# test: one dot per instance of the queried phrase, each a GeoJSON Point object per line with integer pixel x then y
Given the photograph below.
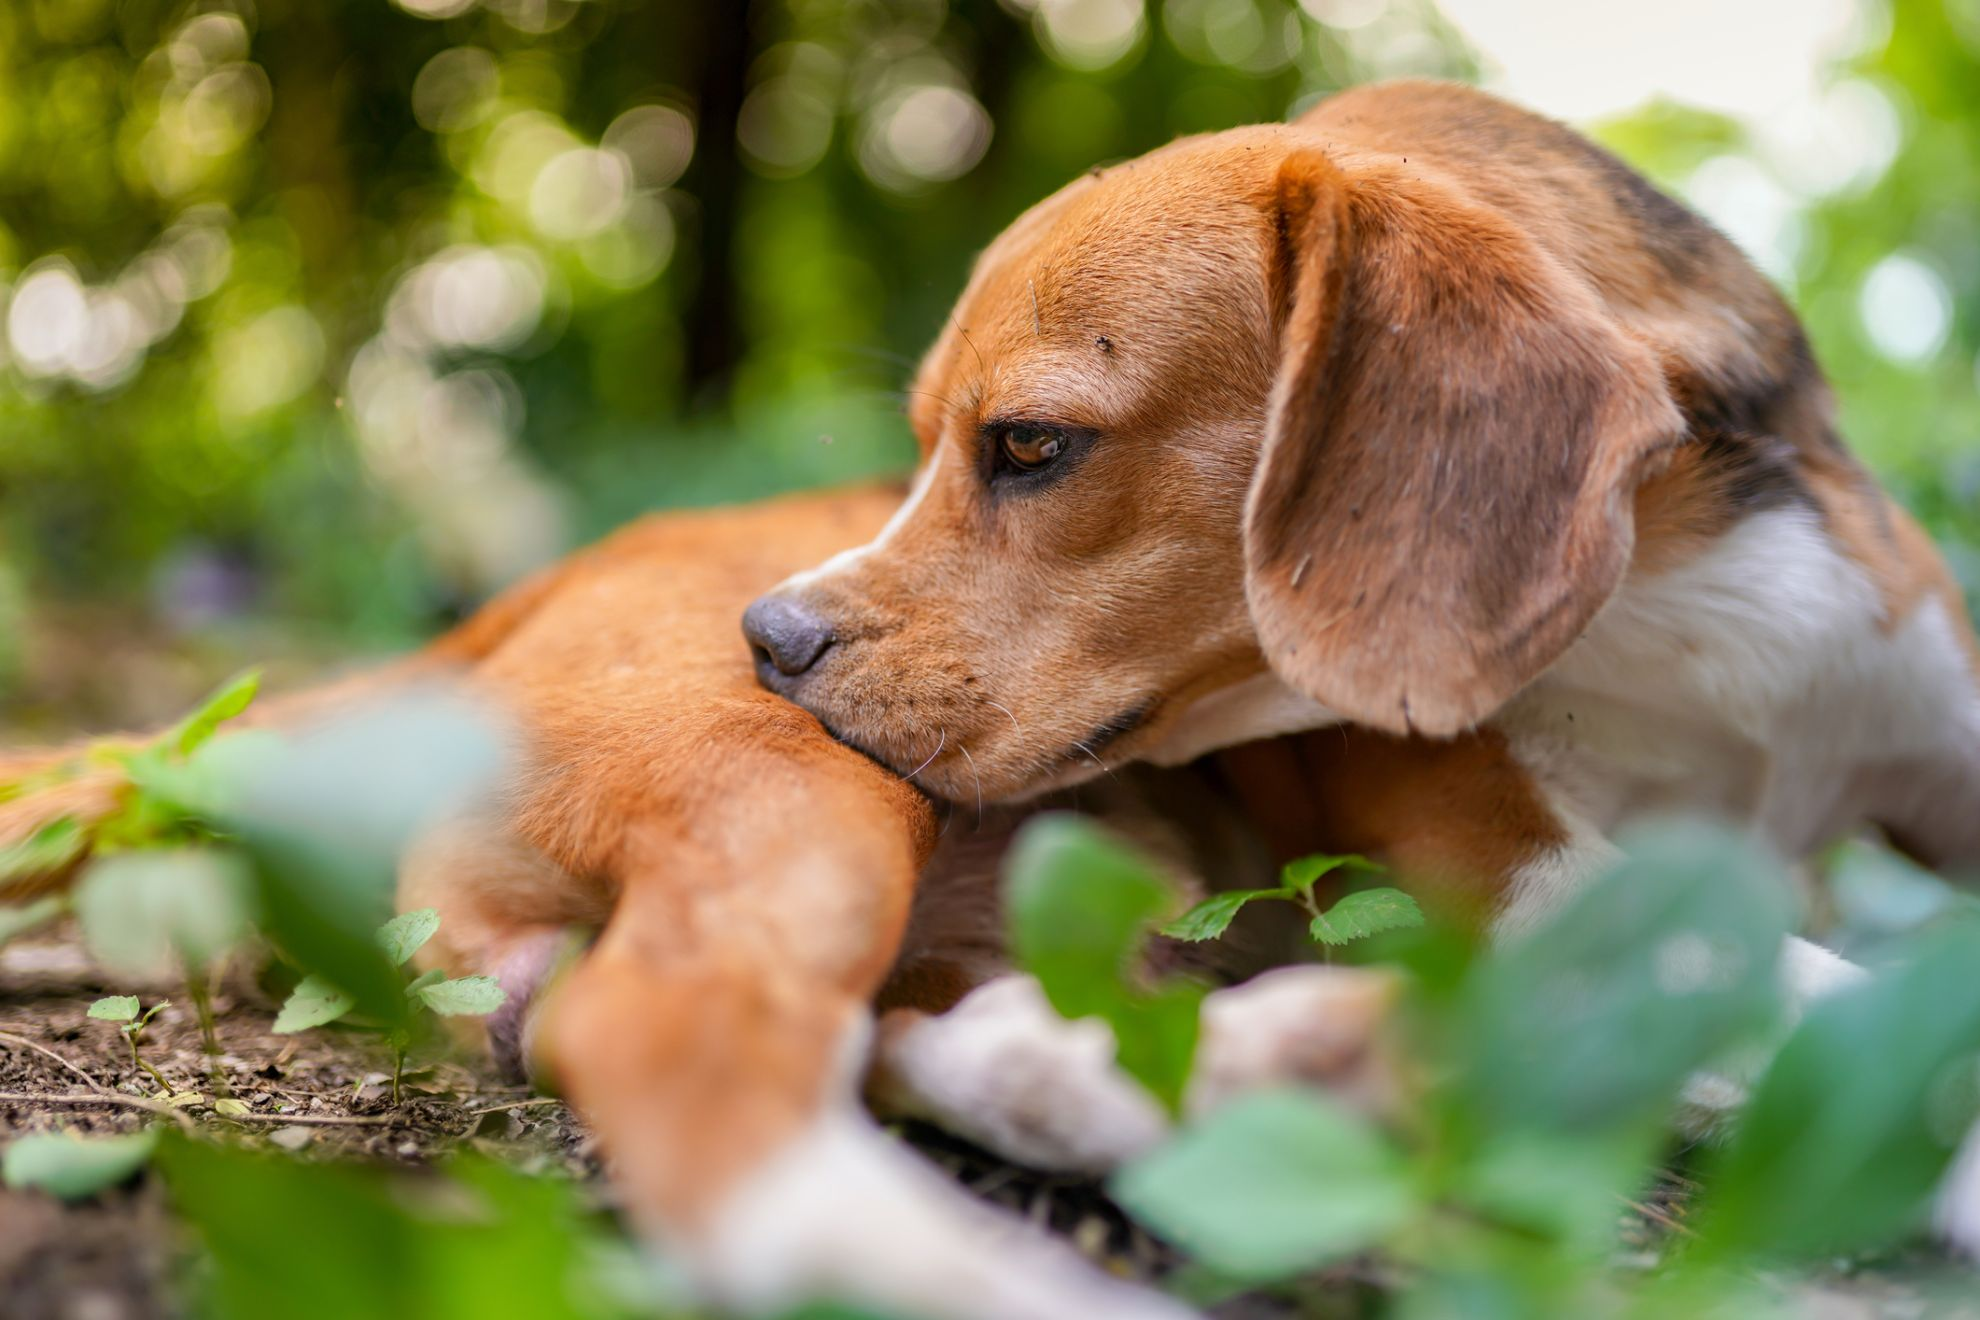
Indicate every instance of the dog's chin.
{"type": "Point", "coordinates": [953, 771]}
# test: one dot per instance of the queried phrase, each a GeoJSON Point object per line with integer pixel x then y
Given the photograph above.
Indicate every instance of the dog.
{"type": "Point", "coordinates": [1425, 419]}
{"type": "Point", "coordinates": [1236, 442]}
{"type": "Point", "coordinates": [782, 937]}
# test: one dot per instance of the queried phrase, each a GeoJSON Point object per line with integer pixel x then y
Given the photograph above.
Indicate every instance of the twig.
{"type": "Point", "coordinates": [101, 1097]}
{"type": "Point", "coordinates": [314, 1120]}
{"type": "Point", "coordinates": [94, 1085]}
{"type": "Point", "coordinates": [515, 1104]}
{"type": "Point", "coordinates": [1651, 1212]}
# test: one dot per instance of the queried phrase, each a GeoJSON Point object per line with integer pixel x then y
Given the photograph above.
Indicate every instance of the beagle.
{"type": "Point", "coordinates": [755, 885]}
{"type": "Point", "coordinates": [1424, 418]}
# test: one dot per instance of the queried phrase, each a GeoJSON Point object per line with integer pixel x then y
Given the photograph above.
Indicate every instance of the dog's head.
{"type": "Point", "coordinates": [1235, 418]}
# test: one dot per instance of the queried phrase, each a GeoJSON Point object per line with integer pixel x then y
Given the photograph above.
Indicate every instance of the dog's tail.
{"type": "Point", "coordinates": [52, 799]}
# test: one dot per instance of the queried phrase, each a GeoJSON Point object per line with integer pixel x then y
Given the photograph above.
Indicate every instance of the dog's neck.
{"type": "Point", "coordinates": [1261, 706]}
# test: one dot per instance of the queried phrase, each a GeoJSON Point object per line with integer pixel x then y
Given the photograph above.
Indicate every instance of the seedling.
{"type": "Point", "coordinates": [1356, 916]}
{"type": "Point", "coordinates": [316, 1002]}
{"type": "Point", "coordinates": [123, 1010]}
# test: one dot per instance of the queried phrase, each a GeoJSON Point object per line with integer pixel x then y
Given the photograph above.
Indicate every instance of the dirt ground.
{"type": "Point", "coordinates": [320, 1094]}
{"type": "Point", "coordinates": [325, 1094]}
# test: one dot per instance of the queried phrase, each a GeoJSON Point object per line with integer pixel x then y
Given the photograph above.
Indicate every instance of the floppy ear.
{"type": "Point", "coordinates": [1456, 433]}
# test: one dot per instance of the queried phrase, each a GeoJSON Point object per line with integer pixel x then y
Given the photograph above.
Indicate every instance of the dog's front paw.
{"type": "Point", "coordinates": [846, 1212]}
{"type": "Point", "coordinates": [1326, 1027]}
{"type": "Point", "coordinates": [1003, 1069]}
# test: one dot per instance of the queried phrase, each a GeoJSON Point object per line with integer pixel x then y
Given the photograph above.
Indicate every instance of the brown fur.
{"type": "Point", "coordinates": [752, 876]}
{"type": "Point", "coordinates": [1388, 401]}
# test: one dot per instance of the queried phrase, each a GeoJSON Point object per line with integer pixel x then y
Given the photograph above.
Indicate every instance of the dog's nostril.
{"type": "Point", "coordinates": [786, 633]}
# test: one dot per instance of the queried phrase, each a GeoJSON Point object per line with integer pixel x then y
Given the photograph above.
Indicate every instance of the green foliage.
{"type": "Point", "coordinates": [232, 698]}
{"type": "Point", "coordinates": [316, 1002]}
{"type": "Point", "coordinates": [1366, 912]}
{"type": "Point", "coordinates": [472, 996]}
{"type": "Point", "coordinates": [1080, 905]}
{"type": "Point", "coordinates": [1353, 917]}
{"type": "Point", "coordinates": [51, 848]}
{"type": "Point", "coordinates": [1854, 1124]}
{"type": "Point", "coordinates": [115, 1008]}
{"type": "Point", "coordinates": [1213, 916]}
{"type": "Point", "coordinates": [1559, 1057]}
{"type": "Point", "coordinates": [29, 917]}
{"type": "Point", "coordinates": [317, 1242]}
{"type": "Point", "coordinates": [152, 913]}
{"type": "Point", "coordinates": [405, 934]}
{"type": "Point", "coordinates": [1273, 1184]}
{"type": "Point", "coordinates": [1653, 971]}
{"type": "Point", "coordinates": [124, 1010]}
{"type": "Point", "coordinates": [71, 1166]}
{"type": "Point", "coordinates": [313, 1003]}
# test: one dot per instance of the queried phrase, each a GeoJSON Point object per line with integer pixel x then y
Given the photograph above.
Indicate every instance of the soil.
{"type": "Point", "coordinates": [325, 1094]}
{"type": "Point", "coordinates": [320, 1094]}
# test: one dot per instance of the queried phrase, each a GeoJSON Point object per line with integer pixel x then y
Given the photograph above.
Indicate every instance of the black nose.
{"type": "Point", "coordinates": [785, 633]}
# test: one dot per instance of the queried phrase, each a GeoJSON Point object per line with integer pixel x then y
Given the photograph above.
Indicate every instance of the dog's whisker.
{"type": "Point", "coordinates": [931, 756]}
{"type": "Point", "coordinates": [1007, 715]}
{"type": "Point", "coordinates": [979, 783]}
{"type": "Point", "coordinates": [1104, 768]}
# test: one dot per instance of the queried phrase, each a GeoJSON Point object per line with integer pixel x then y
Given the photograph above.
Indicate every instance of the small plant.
{"type": "Point", "coordinates": [317, 1002]}
{"type": "Point", "coordinates": [1356, 916]}
{"type": "Point", "coordinates": [124, 1010]}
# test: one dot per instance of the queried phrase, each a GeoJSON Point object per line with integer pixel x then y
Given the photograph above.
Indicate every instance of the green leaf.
{"type": "Point", "coordinates": [1213, 916]}
{"type": "Point", "coordinates": [148, 915]}
{"type": "Point", "coordinates": [229, 700]}
{"type": "Point", "coordinates": [1366, 912]}
{"type": "Point", "coordinates": [328, 815]}
{"type": "Point", "coordinates": [431, 976]}
{"type": "Point", "coordinates": [1592, 1021]}
{"type": "Point", "coordinates": [28, 917]}
{"type": "Point", "coordinates": [1849, 1132]}
{"type": "Point", "coordinates": [331, 1241]}
{"type": "Point", "coordinates": [48, 849]}
{"type": "Point", "coordinates": [402, 936]}
{"type": "Point", "coordinates": [312, 1003]}
{"type": "Point", "coordinates": [464, 995]}
{"type": "Point", "coordinates": [1300, 876]}
{"type": "Point", "coordinates": [74, 1167]}
{"type": "Point", "coordinates": [1270, 1185]}
{"type": "Point", "coordinates": [115, 1008]}
{"type": "Point", "coordinates": [202, 788]}
{"type": "Point", "coordinates": [229, 1107]}
{"type": "Point", "coordinates": [1080, 904]}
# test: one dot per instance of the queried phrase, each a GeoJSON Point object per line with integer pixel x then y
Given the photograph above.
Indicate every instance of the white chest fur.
{"type": "Point", "coordinates": [1759, 680]}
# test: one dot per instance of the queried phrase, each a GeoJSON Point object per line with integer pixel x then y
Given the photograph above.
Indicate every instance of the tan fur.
{"type": "Point", "coordinates": [1386, 405]}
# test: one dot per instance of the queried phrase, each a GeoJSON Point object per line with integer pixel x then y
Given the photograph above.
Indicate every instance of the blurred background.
{"type": "Point", "coordinates": [320, 320]}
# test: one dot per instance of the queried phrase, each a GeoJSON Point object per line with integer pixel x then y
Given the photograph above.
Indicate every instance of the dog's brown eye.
{"type": "Point", "coordinates": [1028, 450]}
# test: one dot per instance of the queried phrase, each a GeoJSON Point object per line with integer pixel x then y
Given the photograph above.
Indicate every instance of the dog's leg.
{"type": "Point", "coordinates": [1005, 1070]}
{"type": "Point", "coordinates": [714, 1038]}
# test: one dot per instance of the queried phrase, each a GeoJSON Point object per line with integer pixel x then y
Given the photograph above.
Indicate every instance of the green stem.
{"type": "Point", "coordinates": [202, 997]}
{"type": "Point", "coordinates": [1312, 906]}
{"type": "Point", "coordinates": [132, 1038]}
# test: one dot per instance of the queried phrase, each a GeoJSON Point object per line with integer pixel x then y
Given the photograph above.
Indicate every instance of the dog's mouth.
{"type": "Point", "coordinates": [1112, 731]}
{"type": "Point", "coordinates": [913, 763]}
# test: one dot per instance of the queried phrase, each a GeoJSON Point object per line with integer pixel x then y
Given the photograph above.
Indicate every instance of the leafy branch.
{"type": "Point", "coordinates": [1355, 916]}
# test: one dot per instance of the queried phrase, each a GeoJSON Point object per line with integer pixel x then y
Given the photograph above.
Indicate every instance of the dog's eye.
{"type": "Point", "coordinates": [1027, 450]}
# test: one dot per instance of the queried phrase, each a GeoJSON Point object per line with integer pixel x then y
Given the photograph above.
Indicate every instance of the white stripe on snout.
{"type": "Point", "coordinates": [845, 559]}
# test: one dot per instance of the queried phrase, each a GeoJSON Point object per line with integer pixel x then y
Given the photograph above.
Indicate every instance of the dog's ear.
{"type": "Point", "coordinates": [1444, 496]}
